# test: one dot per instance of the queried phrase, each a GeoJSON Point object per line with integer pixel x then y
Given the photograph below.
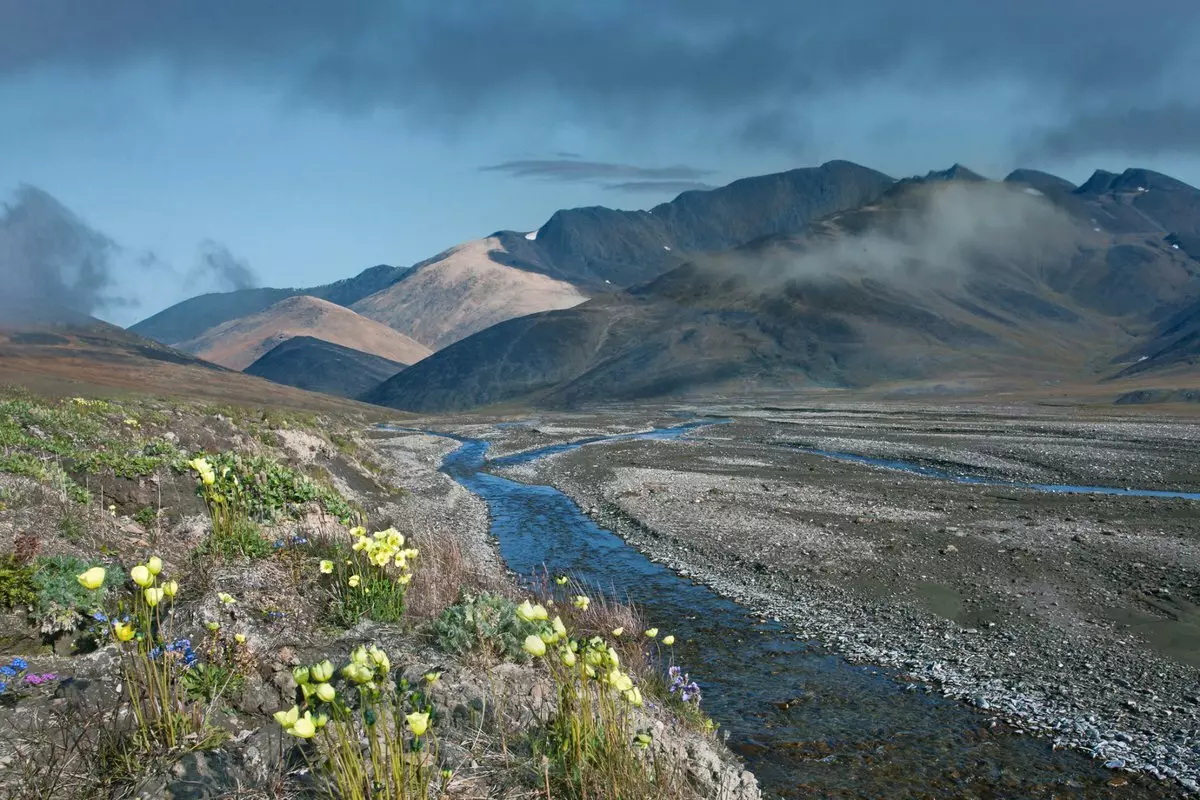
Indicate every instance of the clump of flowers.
{"type": "Point", "coordinates": [373, 581]}
{"type": "Point", "coordinates": [681, 682]}
{"type": "Point", "coordinates": [14, 671]}
{"type": "Point", "coordinates": [591, 738]}
{"type": "Point", "coordinates": [369, 734]}
{"type": "Point", "coordinates": [153, 663]}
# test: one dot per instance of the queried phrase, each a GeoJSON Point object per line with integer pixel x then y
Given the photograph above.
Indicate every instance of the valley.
{"type": "Point", "coordinates": [1074, 617]}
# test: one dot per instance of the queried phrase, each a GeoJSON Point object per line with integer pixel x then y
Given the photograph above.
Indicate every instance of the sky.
{"type": "Point", "coordinates": [178, 147]}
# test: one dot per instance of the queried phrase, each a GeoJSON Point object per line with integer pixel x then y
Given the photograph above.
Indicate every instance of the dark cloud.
{"type": "Point", "coordinates": [49, 258]}
{"type": "Point", "coordinates": [219, 270]}
{"type": "Point", "coordinates": [633, 64]}
{"type": "Point", "coordinates": [1168, 130]}
{"type": "Point", "coordinates": [591, 171]}
{"type": "Point", "coordinates": [627, 63]}
{"type": "Point", "coordinates": [658, 187]}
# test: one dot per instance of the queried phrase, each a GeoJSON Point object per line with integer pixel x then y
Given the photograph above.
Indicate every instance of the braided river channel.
{"type": "Point", "coordinates": [806, 722]}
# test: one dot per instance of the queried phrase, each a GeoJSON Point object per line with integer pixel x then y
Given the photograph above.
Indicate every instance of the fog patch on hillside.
{"type": "Point", "coordinates": [938, 235]}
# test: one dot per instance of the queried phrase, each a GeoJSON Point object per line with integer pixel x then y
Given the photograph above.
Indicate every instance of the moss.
{"type": "Point", "coordinates": [16, 582]}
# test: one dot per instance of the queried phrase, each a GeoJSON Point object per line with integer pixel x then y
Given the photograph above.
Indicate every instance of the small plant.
{"type": "Point", "coordinates": [222, 673]}
{"type": "Point", "coordinates": [373, 581]}
{"type": "Point", "coordinates": [372, 734]}
{"type": "Point", "coordinates": [147, 517]}
{"type": "Point", "coordinates": [16, 582]}
{"type": "Point", "coordinates": [484, 623]}
{"type": "Point", "coordinates": [63, 603]}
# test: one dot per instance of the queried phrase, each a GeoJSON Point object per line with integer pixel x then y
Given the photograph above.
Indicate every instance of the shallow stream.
{"type": "Point", "coordinates": [808, 723]}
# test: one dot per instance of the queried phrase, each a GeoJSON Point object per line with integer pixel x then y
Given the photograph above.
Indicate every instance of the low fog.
{"type": "Point", "coordinates": [936, 234]}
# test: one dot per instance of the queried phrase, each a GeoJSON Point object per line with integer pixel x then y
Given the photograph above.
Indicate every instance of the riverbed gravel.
{"type": "Point", "coordinates": [1073, 617]}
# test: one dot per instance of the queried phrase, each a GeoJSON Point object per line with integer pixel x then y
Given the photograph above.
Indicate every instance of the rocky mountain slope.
{"type": "Point", "coordinates": [319, 366]}
{"type": "Point", "coordinates": [947, 275]}
{"type": "Point", "coordinates": [190, 318]}
{"type": "Point", "coordinates": [464, 290]}
{"type": "Point", "coordinates": [240, 342]}
{"type": "Point", "coordinates": [598, 247]}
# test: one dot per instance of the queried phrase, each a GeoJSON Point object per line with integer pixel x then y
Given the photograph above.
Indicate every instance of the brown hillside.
{"type": "Point", "coordinates": [462, 291]}
{"type": "Point", "coordinates": [240, 342]}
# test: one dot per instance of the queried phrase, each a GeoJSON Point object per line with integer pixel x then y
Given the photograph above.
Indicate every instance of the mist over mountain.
{"type": "Point", "coordinates": [943, 275]}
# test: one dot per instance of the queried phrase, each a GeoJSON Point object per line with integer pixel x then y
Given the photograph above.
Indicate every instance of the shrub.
{"type": "Point", "coordinates": [484, 623]}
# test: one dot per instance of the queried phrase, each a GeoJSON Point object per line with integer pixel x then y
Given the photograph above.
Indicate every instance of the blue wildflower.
{"type": "Point", "coordinates": [3, 687]}
{"type": "Point", "coordinates": [20, 663]}
{"type": "Point", "coordinates": [278, 543]}
{"type": "Point", "coordinates": [100, 616]}
{"type": "Point", "coordinates": [8, 672]}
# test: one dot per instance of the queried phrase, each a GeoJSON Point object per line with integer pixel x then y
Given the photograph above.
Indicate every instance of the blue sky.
{"type": "Point", "coordinates": [313, 141]}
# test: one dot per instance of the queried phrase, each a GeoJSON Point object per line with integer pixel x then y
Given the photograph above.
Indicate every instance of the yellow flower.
{"type": "Point", "coordinates": [535, 646]}
{"type": "Point", "coordinates": [582, 602]}
{"type": "Point", "coordinates": [417, 723]}
{"type": "Point", "coordinates": [91, 579]}
{"type": "Point", "coordinates": [404, 579]}
{"type": "Point", "coordinates": [642, 740]}
{"type": "Point", "coordinates": [634, 697]}
{"type": "Point", "coordinates": [288, 718]}
{"type": "Point", "coordinates": [326, 567]}
{"type": "Point", "coordinates": [525, 611]}
{"type": "Point", "coordinates": [354, 580]}
{"type": "Point", "coordinates": [357, 673]}
{"type": "Point", "coordinates": [432, 677]}
{"type": "Point", "coordinates": [226, 598]}
{"type": "Point", "coordinates": [123, 631]}
{"type": "Point", "coordinates": [380, 658]}
{"type": "Point", "coordinates": [612, 658]}
{"type": "Point", "coordinates": [618, 631]}
{"type": "Point", "coordinates": [320, 720]}
{"type": "Point", "coordinates": [561, 580]}
{"type": "Point", "coordinates": [213, 626]}
{"type": "Point", "coordinates": [153, 595]}
{"type": "Point", "coordinates": [559, 628]}
{"type": "Point", "coordinates": [669, 640]}
{"type": "Point", "coordinates": [326, 692]}
{"type": "Point", "coordinates": [141, 575]}
{"type": "Point", "coordinates": [205, 470]}
{"type": "Point", "coordinates": [322, 672]}
{"type": "Point", "coordinates": [240, 638]}
{"type": "Point", "coordinates": [304, 728]}
{"type": "Point", "coordinates": [171, 588]}
{"type": "Point", "coordinates": [540, 613]}
{"type": "Point", "coordinates": [154, 564]}
{"type": "Point", "coordinates": [567, 657]}
{"type": "Point", "coordinates": [651, 632]}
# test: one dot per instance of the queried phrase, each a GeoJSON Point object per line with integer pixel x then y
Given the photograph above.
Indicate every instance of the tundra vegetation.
{"type": "Point", "coordinates": [240, 599]}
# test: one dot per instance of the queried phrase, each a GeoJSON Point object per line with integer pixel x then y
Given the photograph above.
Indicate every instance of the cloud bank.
{"type": "Point", "coordinates": [659, 65]}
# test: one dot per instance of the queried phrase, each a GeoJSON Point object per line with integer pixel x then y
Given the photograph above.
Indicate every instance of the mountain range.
{"type": "Point", "coordinates": [836, 276]}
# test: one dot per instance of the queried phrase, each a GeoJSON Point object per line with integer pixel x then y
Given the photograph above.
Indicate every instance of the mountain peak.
{"type": "Point", "coordinates": [957, 172]}
{"type": "Point", "coordinates": [1134, 179]}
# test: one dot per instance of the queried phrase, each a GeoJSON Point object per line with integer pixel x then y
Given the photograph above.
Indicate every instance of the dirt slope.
{"type": "Point", "coordinates": [464, 290]}
{"type": "Point", "coordinates": [240, 342]}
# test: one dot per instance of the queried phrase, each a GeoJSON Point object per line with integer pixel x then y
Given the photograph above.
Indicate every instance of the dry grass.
{"type": "Point", "coordinates": [440, 576]}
